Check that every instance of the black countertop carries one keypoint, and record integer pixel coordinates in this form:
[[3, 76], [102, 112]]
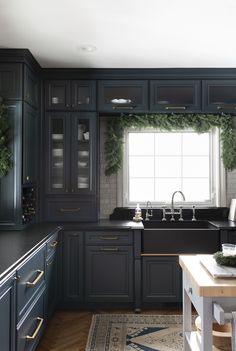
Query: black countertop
[[224, 224], [16, 245]]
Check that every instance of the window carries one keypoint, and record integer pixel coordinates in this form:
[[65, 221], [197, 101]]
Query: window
[[157, 163]]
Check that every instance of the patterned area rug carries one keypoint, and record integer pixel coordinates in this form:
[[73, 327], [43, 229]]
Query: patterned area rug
[[135, 332]]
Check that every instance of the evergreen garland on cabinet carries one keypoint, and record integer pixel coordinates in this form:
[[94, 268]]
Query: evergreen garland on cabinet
[[201, 123], [5, 153]]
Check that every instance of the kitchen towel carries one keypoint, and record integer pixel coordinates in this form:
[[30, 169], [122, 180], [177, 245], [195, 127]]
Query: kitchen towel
[[232, 210]]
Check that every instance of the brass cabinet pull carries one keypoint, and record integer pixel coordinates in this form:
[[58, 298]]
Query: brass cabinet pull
[[114, 249], [39, 276], [226, 107], [34, 335], [108, 237], [54, 243], [123, 107], [175, 108], [70, 209]]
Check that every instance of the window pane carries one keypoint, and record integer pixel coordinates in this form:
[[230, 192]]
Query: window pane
[[195, 144], [196, 189], [164, 188], [168, 143], [141, 143], [141, 189], [195, 166], [168, 166], [141, 166]]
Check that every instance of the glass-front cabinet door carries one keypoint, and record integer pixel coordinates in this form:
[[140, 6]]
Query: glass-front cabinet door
[[58, 162], [219, 95], [175, 95], [83, 152], [58, 95], [84, 95]]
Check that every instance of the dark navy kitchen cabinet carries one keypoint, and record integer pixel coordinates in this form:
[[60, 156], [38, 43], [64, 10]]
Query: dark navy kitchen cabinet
[[73, 268], [11, 81], [7, 313], [77, 95], [83, 95], [30, 136], [161, 279], [109, 266], [19, 87], [57, 95], [31, 87], [219, 95], [175, 95], [71, 166], [123, 95], [52, 274]]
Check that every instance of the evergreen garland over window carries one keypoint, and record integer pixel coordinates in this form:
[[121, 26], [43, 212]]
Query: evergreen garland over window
[[5, 153], [200, 123]]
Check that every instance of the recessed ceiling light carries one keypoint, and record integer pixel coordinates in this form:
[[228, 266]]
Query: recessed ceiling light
[[88, 48]]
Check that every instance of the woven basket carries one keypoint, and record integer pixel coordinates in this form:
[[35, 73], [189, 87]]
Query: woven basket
[[221, 334]]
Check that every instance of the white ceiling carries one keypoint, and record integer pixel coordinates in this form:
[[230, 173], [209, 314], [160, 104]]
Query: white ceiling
[[126, 33]]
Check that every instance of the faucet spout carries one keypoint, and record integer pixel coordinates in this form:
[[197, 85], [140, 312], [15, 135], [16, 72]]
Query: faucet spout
[[172, 202]]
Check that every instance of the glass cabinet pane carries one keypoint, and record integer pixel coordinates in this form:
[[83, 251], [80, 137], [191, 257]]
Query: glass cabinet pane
[[222, 95], [123, 95], [57, 141], [83, 155], [175, 95]]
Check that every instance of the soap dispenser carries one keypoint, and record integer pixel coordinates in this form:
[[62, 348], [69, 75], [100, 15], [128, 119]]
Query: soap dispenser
[[138, 214]]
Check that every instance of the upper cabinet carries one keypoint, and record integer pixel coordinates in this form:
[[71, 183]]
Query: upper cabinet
[[123, 95], [31, 87], [175, 95], [71, 95], [11, 81], [219, 95], [71, 152]]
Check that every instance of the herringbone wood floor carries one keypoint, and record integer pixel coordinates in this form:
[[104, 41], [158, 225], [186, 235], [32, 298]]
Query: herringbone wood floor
[[68, 330]]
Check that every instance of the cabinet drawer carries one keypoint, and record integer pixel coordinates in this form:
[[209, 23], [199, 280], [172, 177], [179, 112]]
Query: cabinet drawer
[[31, 275], [64, 211], [52, 244], [108, 238], [30, 330]]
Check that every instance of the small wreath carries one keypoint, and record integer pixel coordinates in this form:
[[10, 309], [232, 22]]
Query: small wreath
[[224, 260]]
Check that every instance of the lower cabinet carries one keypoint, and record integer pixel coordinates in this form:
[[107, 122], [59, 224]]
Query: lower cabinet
[[7, 314], [30, 329], [72, 268], [161, 279], [109, 274], [51, 284]]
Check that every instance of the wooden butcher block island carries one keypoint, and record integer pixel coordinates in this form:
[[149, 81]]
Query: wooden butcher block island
[[213, 298]]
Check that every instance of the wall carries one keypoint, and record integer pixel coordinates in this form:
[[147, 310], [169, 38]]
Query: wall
[[108, 185]]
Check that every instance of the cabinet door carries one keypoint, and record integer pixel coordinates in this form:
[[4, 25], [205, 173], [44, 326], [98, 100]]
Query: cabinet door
[[109, 274], [123, 95], [84, 95], [72, 267], [83, 153], [231, 237], [51, 283], [219, 95], [161, 279], [10, 185], [58, 95], [11, 81], [30, 155], [7, 314], [31, 87], [175, 95], [57, 153]]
